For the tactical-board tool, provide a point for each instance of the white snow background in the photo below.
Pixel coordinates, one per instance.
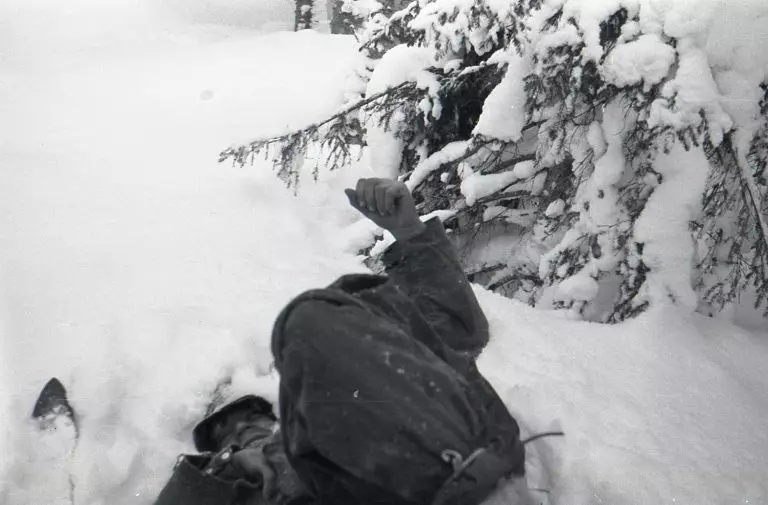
(140, 271)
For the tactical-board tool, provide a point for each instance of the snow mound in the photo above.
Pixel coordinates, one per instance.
(136, 268)
(142, 273)
(666, 408)
(478, 186)
(646, 59)
(503, 115)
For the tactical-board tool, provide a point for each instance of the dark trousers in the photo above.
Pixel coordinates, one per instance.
(367, 407)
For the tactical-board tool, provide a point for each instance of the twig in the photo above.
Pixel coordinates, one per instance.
(514, 161)
(255, 144)
(501, 282)
(487, 269)
(509, 195)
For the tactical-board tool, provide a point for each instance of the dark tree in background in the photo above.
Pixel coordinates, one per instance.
(304, 15)
(342, 21)
(580, 154)
(349, 16)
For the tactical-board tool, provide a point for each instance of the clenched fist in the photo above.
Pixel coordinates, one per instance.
(387, 203)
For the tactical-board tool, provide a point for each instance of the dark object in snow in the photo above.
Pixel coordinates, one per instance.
(380, 397)
(52, 405)
(56, 417)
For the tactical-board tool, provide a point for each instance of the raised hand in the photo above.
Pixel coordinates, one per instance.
(387, 203)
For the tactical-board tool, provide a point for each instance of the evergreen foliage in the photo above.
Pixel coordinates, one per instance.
(576, 170)
(303, 19)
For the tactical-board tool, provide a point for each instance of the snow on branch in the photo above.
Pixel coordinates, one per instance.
(732, 232)
(342, 130)
(603, 138)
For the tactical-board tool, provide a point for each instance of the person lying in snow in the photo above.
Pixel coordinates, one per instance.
(381, 401)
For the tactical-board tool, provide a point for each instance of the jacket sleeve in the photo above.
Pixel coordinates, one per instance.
(426, 267)
(190, 484)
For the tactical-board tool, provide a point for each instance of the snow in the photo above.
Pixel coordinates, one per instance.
(361, 8)
(629, 31)
(493, 212)
(735, 48)
(400, 64)
(714, 37)
(446, 24)
(442, 215)
(479, 186)
(359, 235)
(578, 287)
(503, 115)
(266, 15)
(537, 186)
(385, 151)
(475, 186)
(694, 89)
(53, 451)
(595, 139)
(588, 14)
(140, 272)
(738, 38)
(388, 239)
(646, 59)
(524, 169)
(451, 152)
(663, 226)
(134, 266)
(667, 408)
(7, 387)
(601, 214)
(568, 35)
(610, 166)
(555, 208)
(679, 18)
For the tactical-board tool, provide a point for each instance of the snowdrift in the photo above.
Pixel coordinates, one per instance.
(141, 272)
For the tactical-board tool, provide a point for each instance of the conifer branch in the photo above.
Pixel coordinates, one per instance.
(241, 154)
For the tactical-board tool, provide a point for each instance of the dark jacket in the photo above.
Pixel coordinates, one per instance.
(381, 400)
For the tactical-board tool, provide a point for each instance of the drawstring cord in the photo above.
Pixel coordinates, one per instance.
(458, 462)
(542, 435)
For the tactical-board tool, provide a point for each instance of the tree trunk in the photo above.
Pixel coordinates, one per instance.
(303, 15)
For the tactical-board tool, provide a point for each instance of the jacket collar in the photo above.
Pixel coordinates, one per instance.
(354, 283)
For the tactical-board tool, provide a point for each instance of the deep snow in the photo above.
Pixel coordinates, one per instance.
(140, 272)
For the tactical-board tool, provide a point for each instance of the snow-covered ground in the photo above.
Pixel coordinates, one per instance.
(140, 271)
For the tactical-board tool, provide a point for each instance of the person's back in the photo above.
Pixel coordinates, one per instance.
(380, 397)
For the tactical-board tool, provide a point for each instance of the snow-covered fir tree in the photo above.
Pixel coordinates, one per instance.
(303, 18)
(342, 21)
(593, 156)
